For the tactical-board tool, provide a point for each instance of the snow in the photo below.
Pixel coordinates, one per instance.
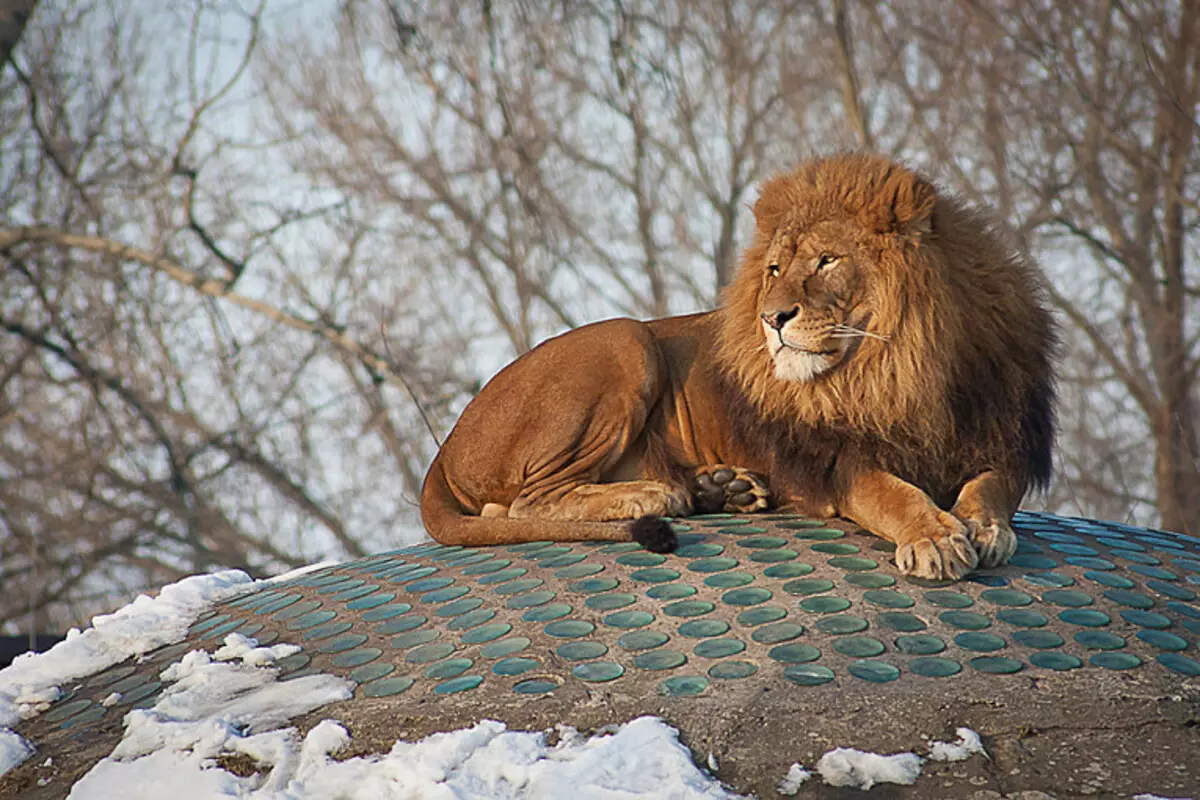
(31, 682)
(968, 743)
(791, 782)
(846, 766)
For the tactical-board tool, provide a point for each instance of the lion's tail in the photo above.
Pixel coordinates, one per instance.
(449, 523)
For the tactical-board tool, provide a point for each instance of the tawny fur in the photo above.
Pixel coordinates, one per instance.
(928, 428)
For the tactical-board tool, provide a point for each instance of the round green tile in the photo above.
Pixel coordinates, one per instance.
(569, 628)
(505, 647)
(1022, 617)
(629, 619)
(777, 632)
(968, 620)
(641, 559)
(732, 670)
(1067, 597)
(456, 685)
(853, 563)
(325, 631)
(386, 612)
(310, 620)
(921, 644)
(794, 653)
(426, 653)
(699, 550)
(683, 686)
(1181, 664)
(947, 599)
(579, 571)
(719, 648)
(728, 580)
(900, 621)
(529, 599)
(808, 674)
(509, 667)
(714, 516)
(775, 556)
(547, 613)
(762, 542)
(1163, 640)
(401, 624)
(450, 668)
(656, 660)
(932, 667)
(979, 642)
(530, 547)
(805, 586)
(688, 608)
(581, 651)
(820, 534)
(548, 554)
(371, 601)
(870, 580)
(713, 564)
(1184, 609)
(563, 561)
(341, 644)
(1085, 617)
(214, 621)
(642, 640)
(458, 607)
(1114, 660)
(655, 575)
(623, 547)
(66, 710)
(835, 548)
(996, 665)
(888, 599)
(125, 685)
(858, 646)
(610, 602)
(1060, 662)
(746, 597)
(840, 624)
(348, 595)
(824, 604)
(1051, 579)
(1145, 619)
(758, 616)
(1128, 598)
(428, 585)
(1108, 579)
(386, 687)
(486, 633)
(1032, 562)
(294, 662)
(1042, 640)
(1171, 590)
(873, 671)
(535, 686)
(1100, 640)
(593, 585)
(670, 591)
(598, 671)
(702, 628)
(371, 672)
(788, 570)
(518, 586)
(1006, 597)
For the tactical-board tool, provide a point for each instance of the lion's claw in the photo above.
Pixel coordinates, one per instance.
(995, 542)
(733, 489)
(946, 555)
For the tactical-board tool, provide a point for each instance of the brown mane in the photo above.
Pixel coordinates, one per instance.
(949, 388)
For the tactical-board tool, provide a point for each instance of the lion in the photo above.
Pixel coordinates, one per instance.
(883, 354)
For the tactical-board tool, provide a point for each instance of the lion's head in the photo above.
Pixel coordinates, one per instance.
(870, 304)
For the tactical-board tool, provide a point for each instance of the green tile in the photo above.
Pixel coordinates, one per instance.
(1108, 579)
(342, 643)
(719, 648)
(325, 631)
(728, 580)
(486, 633)
(858, 646)
(659, 660)
(456, 685)
(980, 642)
(688, 608)
(788, 570)
(1100, 640)
(535, 686)
(794, 653)
(775, 556)
(1171, 590)
(655, 575)
(996, 665)
(854, 563)
(763, 614)
(746, 597)
(510, 667)
(504, 647)
(1086, 617)
(450, 668)
(701, 628)
(732, 670)
(562, 561)
(947, 599)
(683, 686)
(579, 571)
(1163, 640)
(1037, 638)
(642, 640)
(934, 667)
(581, 651)
(1067, 597)
(1128, 598)
(700, 550)
(386, 687)
(808, 674)
(386, 612)
(968, 620)
(598, 671)
(921, 644)
(835, 548)
(518, 586)
(610, 602)
(1022, 617)
(841, 624)
(530, 599)
(712, 564)
(900, 621)
(1060, 662)
(888, 599)
(824, 604)
(670, 591)
(805, 586)
(428, 585)
(458, 607)
(1114, 660)
(629, 619)
(547, 613)
(1145, 619)
(371, 672)
(870, 580)
(642, 559)
(593, 585)
(1006, 597)
(1181, 664)
(820, 534)
(426, 653)
(401, 624)
(569, 628)
(873, 671)
(777, 632)
(310, 620)
(371, 601)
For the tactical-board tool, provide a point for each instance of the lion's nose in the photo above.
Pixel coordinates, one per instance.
(777, 319)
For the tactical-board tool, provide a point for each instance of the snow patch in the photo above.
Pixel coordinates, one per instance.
(968, 743)
(846, 766)
(31, 682)
(792, 781)
(13, 750)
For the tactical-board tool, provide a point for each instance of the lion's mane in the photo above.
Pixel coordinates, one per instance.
(963, 381)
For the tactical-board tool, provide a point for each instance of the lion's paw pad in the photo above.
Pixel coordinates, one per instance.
(733, 489)
(994, 542)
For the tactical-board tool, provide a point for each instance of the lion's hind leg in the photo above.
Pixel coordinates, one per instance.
(717, 487)
(645, 502)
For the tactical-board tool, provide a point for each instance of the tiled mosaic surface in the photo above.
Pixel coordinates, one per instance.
(765, 595)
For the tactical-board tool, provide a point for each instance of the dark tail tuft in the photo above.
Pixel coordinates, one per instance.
(654, 534)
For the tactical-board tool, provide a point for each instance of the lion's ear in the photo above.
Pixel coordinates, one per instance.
(906, 205)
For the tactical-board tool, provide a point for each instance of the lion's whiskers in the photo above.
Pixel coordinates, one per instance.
(847, 332)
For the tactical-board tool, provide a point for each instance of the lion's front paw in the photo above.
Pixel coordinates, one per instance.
(942, 553)
(994, 541)
(721, 488)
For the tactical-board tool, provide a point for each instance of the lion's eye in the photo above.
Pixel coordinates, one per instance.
(773, 270)
(826, 260)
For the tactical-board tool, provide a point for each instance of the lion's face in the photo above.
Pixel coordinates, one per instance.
(814, 304)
